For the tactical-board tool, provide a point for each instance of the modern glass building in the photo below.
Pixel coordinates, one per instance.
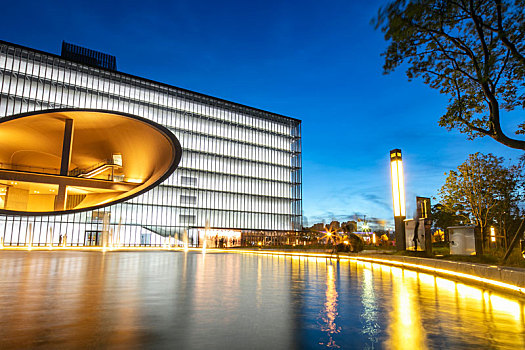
(239, 179)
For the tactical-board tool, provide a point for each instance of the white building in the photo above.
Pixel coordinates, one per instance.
(240, 170)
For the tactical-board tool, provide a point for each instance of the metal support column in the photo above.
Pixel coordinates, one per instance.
(67, 144)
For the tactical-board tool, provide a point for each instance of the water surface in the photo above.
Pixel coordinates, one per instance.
(157, 300)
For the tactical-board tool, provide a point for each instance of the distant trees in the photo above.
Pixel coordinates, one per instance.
(349, 226)
(471, 50)
(482, 191)
(338, 232)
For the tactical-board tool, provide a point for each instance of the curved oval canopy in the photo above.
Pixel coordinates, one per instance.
(59, 161)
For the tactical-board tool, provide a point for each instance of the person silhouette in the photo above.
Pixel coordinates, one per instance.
(416, 230)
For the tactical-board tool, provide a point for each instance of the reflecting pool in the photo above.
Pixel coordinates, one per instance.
(157, 300)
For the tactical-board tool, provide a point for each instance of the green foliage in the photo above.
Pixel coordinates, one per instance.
(443, 217)
(471, 50)
(492, 256)
(481, 190)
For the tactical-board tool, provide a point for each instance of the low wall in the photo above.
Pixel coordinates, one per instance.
(481, 272)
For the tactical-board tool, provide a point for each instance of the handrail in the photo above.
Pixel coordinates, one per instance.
(28, 168)
(79, 171)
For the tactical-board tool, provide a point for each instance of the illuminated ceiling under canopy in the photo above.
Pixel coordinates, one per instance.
(58, 161)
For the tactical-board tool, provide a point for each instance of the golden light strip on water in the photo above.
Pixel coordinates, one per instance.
(461, 275)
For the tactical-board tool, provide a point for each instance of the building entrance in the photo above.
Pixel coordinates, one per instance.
(93, 239)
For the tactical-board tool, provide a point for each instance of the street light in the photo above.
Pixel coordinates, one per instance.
(492, 234)
(398, 195)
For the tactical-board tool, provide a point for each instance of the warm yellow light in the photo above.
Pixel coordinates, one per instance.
(395, 187)
(427, 279)
(505, 305)
(396, 272)
(492, 234)
(260, 243)
(95, 172)
(396, 266)
(373, 238)
(398, 187)
(465, 291)
(401, 187)
(392, 266)
(329, 234)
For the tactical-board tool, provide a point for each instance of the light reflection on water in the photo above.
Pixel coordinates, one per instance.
(238, 301)
(330, 309)
(369, 316)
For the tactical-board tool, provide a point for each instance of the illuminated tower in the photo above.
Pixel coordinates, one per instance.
(398, 195)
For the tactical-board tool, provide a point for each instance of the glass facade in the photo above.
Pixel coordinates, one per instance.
(240, 167)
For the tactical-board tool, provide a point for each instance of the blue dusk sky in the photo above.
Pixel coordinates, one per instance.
(318, 61)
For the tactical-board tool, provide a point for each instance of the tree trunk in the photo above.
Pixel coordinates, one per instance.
(482, 231)
(497, 132)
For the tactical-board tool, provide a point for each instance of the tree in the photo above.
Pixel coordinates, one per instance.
(508, 211)
(471, 50)
(479, 189)
(443, 218)
(349, 226)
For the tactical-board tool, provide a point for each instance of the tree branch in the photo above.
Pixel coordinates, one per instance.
(503, 36)
(452, 60)
(498, 76)
(476, 19)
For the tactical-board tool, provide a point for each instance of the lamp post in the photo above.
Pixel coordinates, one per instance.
(398, 195)
(492, 234)
(328, 236)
